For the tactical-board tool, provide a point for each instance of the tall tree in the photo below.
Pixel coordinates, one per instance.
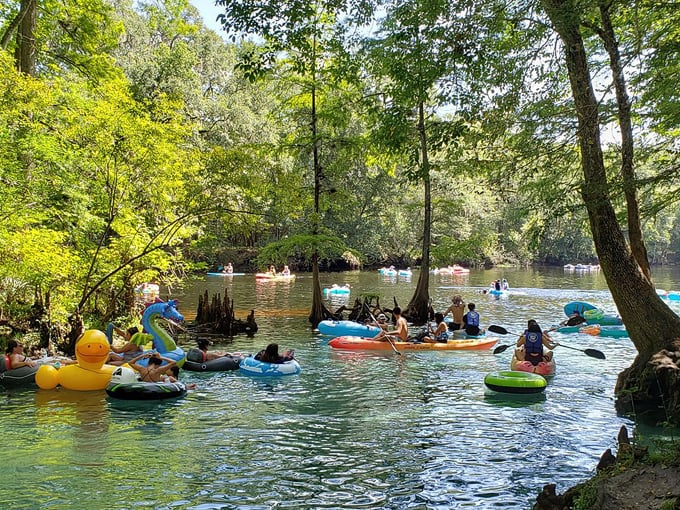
(409, 55)
(632, 290)
(305, 33)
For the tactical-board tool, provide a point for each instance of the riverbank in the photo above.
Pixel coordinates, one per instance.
(632, 480)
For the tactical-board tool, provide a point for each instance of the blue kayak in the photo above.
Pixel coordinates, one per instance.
(577, 307)
(226, 274)
(347, 328)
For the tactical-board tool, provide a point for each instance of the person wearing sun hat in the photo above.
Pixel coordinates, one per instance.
(380, 321)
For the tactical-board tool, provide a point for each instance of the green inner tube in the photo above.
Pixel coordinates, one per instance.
(593, 314)
(512, 381)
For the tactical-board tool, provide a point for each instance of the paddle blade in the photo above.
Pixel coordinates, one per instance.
(575, 321)
(500, 348)
(594, 353)
(497, 329)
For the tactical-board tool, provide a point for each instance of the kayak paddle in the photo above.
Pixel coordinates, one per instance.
(593, 353)
(389, 339)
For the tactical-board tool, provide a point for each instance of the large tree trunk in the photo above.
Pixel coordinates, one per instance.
(652, 325)
(418, 308)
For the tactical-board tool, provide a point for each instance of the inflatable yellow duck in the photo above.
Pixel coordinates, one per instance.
(91, 371)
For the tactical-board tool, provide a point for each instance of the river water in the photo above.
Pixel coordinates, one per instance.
(353, 430)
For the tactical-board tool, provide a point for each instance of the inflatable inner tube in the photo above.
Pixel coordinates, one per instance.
(511, 381)
(593, 314)
(146, 390)
(251, 366)
(125, 385)
(214, 365)
(17, 377)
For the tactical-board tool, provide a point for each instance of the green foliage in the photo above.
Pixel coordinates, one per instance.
(142, 141)
(76, 36)
(301, 248)
(587, 496)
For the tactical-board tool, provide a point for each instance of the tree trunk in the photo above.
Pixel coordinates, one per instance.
(637, 244)
(418, 308)
(633, 292)
(318, 312)
(25, 51)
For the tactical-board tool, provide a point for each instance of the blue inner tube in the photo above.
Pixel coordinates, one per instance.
(513, 381)
(251, 366)
(146, 390)
(214, 365)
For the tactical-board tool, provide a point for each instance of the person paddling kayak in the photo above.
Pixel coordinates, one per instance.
(532, 345)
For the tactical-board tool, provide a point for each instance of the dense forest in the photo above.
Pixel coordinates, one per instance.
(139, 145)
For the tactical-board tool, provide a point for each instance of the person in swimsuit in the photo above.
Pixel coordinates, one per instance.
(155, 370)
(441, 333)
(16, 356)
(270, 354)
(457, 309)
(202, 354)
(129, 350)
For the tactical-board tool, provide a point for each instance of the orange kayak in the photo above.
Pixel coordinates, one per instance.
(359, 343)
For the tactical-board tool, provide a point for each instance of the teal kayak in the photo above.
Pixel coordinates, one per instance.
(613, 331)
(577, 307)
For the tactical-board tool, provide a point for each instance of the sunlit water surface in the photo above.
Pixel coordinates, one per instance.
(354, 430)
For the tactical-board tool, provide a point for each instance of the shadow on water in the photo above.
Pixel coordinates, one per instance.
(513, 400)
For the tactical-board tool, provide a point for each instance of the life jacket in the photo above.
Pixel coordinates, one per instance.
(7, 365)
(533, 344)
(472, 318)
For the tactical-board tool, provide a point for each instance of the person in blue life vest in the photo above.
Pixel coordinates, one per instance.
(471, 321)
(534, 345)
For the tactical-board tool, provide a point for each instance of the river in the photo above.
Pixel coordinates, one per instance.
(353, 430)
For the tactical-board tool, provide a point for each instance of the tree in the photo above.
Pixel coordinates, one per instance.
(630, 285)
(302, 33)
(409, 56)
(49, 36)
